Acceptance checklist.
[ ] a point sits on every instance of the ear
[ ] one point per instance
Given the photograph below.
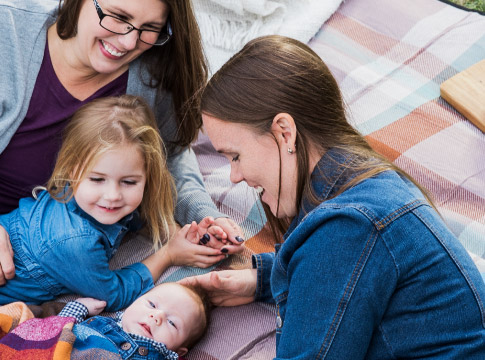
(182, 351)
(284, 130)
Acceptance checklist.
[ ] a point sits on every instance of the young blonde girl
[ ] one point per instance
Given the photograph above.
(110, 177)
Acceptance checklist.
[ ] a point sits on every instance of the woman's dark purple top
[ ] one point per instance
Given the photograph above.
(30, 156)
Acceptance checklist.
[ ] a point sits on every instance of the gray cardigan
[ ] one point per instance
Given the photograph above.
(23, 25)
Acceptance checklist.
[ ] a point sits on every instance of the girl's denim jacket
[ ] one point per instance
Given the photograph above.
(372, 273)
(60, 249)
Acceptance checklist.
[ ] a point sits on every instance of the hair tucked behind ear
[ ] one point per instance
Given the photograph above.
(100, 126)
(275, 74)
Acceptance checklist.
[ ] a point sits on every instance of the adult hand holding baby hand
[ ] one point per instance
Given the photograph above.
(221, 233)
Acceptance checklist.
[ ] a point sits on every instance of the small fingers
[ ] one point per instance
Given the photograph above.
(218, 232)
(205, 223)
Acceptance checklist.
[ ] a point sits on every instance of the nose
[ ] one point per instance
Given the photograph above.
(112, 193)
(236, 175)
(129, 40)
(158, 316)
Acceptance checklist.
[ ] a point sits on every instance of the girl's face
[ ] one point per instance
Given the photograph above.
(256, 159)
(114, 187)
(106, 52)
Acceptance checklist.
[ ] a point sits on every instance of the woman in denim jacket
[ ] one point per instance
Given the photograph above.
(367, 268)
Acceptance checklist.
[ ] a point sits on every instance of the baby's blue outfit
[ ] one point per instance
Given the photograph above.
(102, 337)
(59, 249)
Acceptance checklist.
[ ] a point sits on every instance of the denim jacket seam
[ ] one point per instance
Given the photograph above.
(342, 306)
(391, 254)
(280, 265)
(54, 243)
(281, 297)
(399, 212)
(387, 342)
(459, 265)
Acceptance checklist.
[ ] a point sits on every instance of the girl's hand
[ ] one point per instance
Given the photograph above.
(95, 306)
(227, 287)
(7, 267)
(184, 249)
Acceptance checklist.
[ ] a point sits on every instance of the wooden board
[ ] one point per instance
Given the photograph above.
(466, 93)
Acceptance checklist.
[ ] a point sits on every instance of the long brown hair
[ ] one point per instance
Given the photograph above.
(275, 74)
(101, 125)
(178, 67)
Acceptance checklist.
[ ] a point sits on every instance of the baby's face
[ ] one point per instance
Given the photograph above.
(167, 314)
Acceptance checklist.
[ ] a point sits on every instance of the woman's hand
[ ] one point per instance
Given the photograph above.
(7, 267)
(224, 234)
(95, 306)
(227, 287)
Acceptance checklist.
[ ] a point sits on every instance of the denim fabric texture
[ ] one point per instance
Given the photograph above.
(59, 249)
(104, 334)
(372, 273)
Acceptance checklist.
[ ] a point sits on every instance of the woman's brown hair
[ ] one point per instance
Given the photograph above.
(178, 67)
(275, 74)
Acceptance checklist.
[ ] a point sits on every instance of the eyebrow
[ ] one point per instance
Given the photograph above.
(226, 151)
(115, 9)
(103, 174)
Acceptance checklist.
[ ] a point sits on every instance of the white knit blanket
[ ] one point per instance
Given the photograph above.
(226, 25)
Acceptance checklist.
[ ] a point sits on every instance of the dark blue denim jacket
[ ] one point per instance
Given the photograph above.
(60, 249)
(372, 273)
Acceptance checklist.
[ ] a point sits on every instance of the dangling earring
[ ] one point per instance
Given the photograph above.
(290, 151)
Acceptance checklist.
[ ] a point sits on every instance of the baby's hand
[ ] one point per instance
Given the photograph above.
(221, 233)
(95, 306)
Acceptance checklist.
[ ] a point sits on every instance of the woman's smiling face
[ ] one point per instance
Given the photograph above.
(255, 158)
(106, 52)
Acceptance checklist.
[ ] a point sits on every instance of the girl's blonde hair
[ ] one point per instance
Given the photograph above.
(98, 127)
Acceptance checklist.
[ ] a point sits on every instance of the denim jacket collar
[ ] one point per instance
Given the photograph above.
(328, 176)
(112, 231)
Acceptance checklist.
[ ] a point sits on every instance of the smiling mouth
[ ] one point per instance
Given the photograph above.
(111, 50)
(109, 209)
(147, 329)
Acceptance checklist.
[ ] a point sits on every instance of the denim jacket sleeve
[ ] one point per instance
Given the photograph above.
(263, 263)
(326, 308)
(85, 271)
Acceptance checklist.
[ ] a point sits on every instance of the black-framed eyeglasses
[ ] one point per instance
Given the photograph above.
(122, 27)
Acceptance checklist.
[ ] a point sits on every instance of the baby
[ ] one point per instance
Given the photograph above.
(163, 323)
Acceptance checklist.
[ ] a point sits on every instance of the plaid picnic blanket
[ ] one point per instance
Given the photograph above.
(390, 63)
(389, 57)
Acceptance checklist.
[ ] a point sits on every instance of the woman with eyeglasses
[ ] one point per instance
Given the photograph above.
(57, 56)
